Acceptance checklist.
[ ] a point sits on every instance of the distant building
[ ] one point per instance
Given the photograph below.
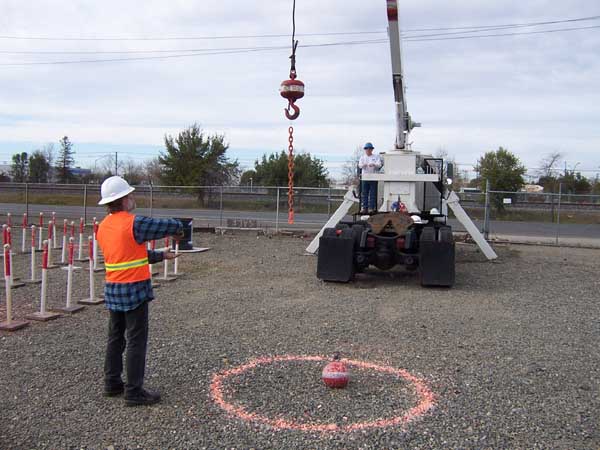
(533, 188)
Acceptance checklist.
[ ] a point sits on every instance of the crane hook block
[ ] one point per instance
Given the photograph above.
(292, 90)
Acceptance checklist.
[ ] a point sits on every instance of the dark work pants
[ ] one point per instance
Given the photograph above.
(127, 329)
(369, 194)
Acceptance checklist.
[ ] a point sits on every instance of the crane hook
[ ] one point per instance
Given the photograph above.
(292, 105)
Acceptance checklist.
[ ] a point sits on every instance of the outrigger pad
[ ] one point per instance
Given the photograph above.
(436, 258)
(336, 256)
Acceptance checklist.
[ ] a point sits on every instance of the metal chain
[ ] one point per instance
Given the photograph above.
(291, 176)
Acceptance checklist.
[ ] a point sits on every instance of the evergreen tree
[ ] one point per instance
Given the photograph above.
(65, 160)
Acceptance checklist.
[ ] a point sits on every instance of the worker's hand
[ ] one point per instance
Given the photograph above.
(179, 236)
(170, 255)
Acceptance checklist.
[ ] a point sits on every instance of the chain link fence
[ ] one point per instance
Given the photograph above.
(559, 218)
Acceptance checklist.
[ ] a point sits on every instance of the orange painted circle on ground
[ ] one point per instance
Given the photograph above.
(424, 394)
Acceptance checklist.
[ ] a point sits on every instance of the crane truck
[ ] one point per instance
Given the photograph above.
(410, 227)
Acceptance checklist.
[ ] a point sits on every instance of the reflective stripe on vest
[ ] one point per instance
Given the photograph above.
(125, 260)
(126, 265)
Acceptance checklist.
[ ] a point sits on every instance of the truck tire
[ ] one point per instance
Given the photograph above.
(336, 255)
(436, 257)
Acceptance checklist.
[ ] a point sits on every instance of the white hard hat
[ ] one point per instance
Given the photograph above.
(114, 188)
(416, 219)
(434, 211)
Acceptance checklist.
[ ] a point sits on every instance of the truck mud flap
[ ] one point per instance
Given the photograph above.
(436, 257)
(336, 255)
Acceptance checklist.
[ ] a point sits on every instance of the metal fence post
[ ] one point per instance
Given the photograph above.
(558, 213)
(27, 199)
(151, 198)
(277, 213)
(486, 213)
(221, 206)
(85, 203)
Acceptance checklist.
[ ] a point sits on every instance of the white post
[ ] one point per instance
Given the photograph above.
(80, 253)
(176, 262)
(41, 230)
(166, 261)
(7, 284)
(9, 324)
(51, 229)
(91, 260)
(24, 235)
(53, 243)
(95, 243)
(91, 300)
(43, 315)
(44, 282)
(12, 278)
(32, 252)
(70, 273)
(63, 257)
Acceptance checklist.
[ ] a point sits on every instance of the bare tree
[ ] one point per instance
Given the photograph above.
(133, 172)
(349, 169)
(152, 171)
(49, 152)
(548, 164)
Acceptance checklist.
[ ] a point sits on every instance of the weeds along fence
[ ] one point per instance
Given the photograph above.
(267, 207)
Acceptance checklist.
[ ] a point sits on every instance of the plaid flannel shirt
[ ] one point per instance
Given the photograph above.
(128, 296)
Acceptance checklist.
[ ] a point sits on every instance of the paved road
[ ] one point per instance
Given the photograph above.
(571, 233)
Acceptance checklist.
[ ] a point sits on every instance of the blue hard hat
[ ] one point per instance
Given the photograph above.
(368, 145)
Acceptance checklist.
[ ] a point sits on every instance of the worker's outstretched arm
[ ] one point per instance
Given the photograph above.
(146, 228)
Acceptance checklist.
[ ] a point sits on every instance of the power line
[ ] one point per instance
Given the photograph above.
(502, 34)
(257, 36)
(207, 52)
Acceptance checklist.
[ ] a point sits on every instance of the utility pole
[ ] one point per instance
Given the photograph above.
(116, 163)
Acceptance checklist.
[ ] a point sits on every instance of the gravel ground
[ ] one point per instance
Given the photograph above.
(510, 353)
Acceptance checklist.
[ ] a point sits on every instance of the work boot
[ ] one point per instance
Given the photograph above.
(363, 212)
(144, 397)
(113, 391)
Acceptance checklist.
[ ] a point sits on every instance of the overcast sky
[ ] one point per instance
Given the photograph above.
(533, 94)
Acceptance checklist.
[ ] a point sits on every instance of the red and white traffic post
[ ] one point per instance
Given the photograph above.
(95, 244)
(152, 245)
(24, 234)
(44, 315)
(8, 240)
(176, 261)
(40, 229)
(51, 230)
(91, 300)
(33, 280)
(166, 276)
(70, 308)
(9, 324)
(63, 254)
(52, 242)
(80, 251)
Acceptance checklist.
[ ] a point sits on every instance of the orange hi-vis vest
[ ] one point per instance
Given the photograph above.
(125, 260)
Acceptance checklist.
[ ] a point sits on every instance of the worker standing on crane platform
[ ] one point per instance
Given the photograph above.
(122, 237)
(369, 163)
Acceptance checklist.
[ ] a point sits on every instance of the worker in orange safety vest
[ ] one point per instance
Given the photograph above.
(128, 289)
